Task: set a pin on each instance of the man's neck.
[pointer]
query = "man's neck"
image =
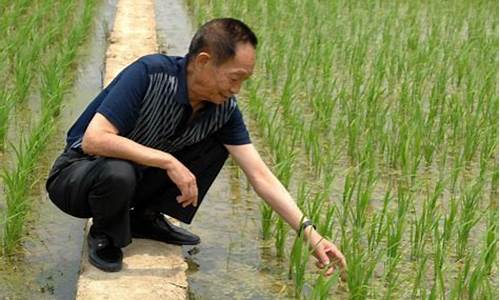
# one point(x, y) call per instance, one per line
point(194, 99)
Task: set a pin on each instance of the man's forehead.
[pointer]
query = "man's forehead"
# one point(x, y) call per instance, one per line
point(243, 61)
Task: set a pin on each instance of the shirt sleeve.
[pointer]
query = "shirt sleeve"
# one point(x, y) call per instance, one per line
point(234, 132)
point(122, 102)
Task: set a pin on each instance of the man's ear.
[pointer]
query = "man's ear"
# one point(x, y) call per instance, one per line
point(202, 59)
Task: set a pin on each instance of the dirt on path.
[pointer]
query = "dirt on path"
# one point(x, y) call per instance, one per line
point(133, 35)
point(151, 270)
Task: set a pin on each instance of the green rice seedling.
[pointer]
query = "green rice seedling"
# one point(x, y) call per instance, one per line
point(17, 9)
point(398, 93)
point(298, 262)
point(324, 105)
point(23, 74)
point(359, 270)
point(425, 223)
point(284, 163)
point(449, 220)
point(378, 228)
point(477, 284)
point(458, 289)
point(18, 182)
point(363, 196)
point(490, 251)
point(488, 150)
point(472, 135)
point(440, 249)
point(281, 234)
point(394, 229)
point(349, 187)
point(19, 179)
point(51, 90)
point(457, 168)
point(468, 216)
point(325, 228)
point(303, 193)
point(314, 207)
point(353, 133)
point(16, 203)
point(267, 220)
point(6, 104)
point(418, 290)
point(323, 285)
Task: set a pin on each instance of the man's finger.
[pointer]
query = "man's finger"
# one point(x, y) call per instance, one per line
point(191, 196)
point(323, 257)
point(195, 198)
point(337, 257)
point(340, 261)
point(184, 197)
point(329, 271)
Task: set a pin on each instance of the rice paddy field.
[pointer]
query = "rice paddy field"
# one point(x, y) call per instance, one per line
point(39, 41)
point(37, 53)
point(382, 119)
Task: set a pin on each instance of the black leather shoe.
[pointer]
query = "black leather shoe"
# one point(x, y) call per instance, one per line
point(158, 228)
point(103, 254)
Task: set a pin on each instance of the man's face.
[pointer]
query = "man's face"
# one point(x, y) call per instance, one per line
point(222, 81)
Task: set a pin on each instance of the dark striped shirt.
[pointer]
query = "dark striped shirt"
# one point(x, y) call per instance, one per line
point(147, 102)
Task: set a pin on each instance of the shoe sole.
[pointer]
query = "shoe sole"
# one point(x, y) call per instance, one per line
point(101, 266)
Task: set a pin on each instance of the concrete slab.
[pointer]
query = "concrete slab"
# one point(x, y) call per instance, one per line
point(151, 270)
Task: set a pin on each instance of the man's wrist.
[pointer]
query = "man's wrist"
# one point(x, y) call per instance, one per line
point(167, 161)
point(311, 235)
point(305, 228)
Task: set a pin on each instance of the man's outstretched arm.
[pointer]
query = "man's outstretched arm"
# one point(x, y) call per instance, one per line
point(274, 193)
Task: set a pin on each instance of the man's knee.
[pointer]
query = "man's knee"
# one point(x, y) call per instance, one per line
point(113, 189)
point(117, 174)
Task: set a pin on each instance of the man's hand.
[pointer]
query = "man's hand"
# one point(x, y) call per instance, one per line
point(102, 138)
point(185, 181)
point(327, 254)
point(270, 189)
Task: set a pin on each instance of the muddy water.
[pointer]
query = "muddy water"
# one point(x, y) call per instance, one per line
point(232, 262)
point(173, 27)
point(49, 263)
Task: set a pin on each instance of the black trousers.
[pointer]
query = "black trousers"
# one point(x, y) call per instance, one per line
point(105, 189)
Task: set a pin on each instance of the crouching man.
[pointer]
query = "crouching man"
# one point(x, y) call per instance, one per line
point(153, 141)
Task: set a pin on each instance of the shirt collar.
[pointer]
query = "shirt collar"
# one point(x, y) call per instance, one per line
point(182, 91)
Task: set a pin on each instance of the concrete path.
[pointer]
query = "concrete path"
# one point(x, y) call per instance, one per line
point(151, 270)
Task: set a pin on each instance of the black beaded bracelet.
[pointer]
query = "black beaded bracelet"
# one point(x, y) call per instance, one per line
point(304, 225)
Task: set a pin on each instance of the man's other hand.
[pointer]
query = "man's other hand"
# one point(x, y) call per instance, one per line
point(185, 181)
